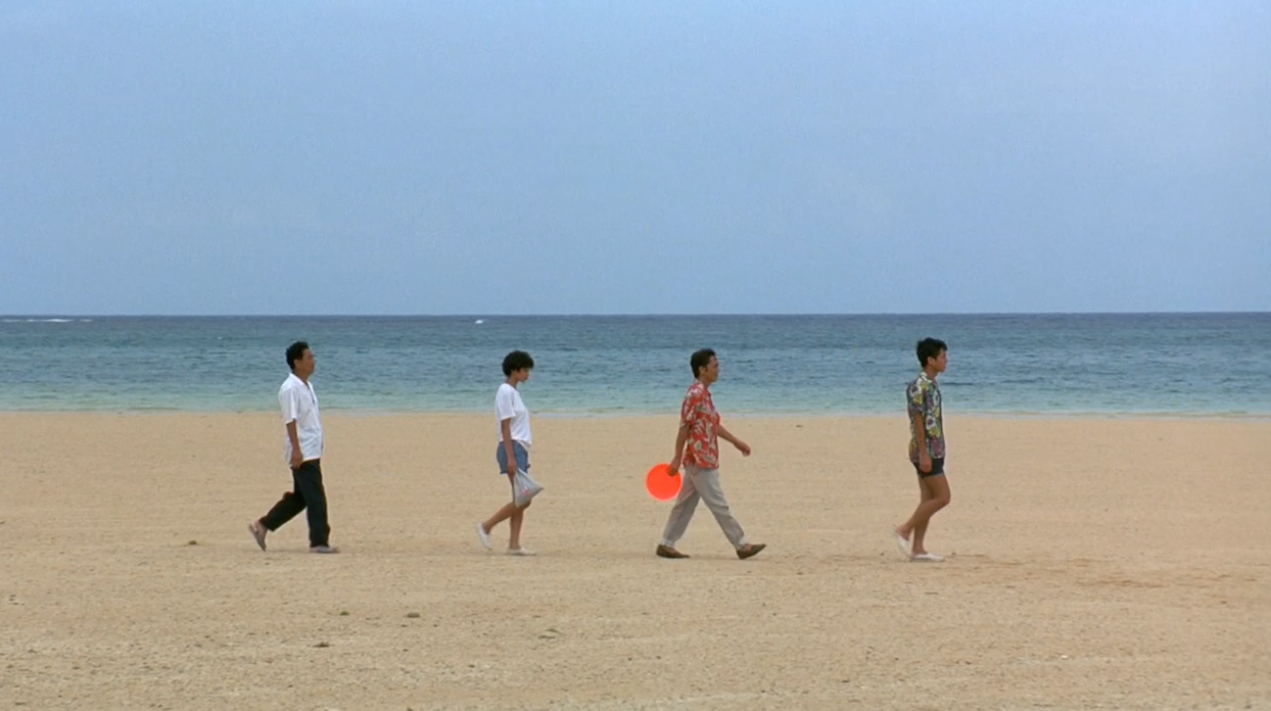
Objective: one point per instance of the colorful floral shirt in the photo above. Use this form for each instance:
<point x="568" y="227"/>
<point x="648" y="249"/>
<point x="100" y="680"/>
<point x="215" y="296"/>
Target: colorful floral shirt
<point x="702" y="418"/>
<point x="924" y="401"/>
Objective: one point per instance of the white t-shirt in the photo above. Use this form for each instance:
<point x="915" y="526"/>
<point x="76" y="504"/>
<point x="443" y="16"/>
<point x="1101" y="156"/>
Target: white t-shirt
<point x="300" y="404"/>
<point x="508" y="404"/>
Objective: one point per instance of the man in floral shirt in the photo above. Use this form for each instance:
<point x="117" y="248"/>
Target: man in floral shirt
<point x="697" y="448"/>
<point x="926" y="450"/>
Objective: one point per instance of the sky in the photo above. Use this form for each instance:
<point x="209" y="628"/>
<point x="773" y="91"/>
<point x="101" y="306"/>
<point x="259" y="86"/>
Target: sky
<point x="241" y="158"/>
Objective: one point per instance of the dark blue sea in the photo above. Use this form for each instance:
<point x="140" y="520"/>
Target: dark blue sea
<point x="1167" y="364"/>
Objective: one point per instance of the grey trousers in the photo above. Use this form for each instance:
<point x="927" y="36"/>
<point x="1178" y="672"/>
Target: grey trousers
<point x="701" y="484"/>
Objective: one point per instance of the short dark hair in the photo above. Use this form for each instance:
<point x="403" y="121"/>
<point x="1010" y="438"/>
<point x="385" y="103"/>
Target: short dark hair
<point x="517" y="360"/>
<point x="700" y="359"/>
<point x="930" y="348"/>
<point x="295" y="352"/>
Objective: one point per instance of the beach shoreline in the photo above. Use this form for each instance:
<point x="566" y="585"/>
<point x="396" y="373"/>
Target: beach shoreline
<point x="1026" y="415"/>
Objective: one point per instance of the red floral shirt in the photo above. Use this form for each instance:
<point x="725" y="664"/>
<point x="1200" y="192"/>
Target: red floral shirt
<point x="702" y="418"/>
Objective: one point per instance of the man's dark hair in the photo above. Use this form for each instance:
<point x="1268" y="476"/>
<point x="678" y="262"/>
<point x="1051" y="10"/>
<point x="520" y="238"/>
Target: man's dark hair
<point x="930" y="348"/>
<point x="700" y="359"/>
<point x="517" y="360"/>
<point x="295" y="352"/>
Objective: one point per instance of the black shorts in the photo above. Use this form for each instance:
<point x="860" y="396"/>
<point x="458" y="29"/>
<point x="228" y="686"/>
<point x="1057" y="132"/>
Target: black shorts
<point x="937" y="468"/>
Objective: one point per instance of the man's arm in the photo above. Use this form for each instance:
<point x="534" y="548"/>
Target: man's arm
<point x="297" y="456"/>
<point x="727" y="436"/>
<point x="681" y="439"/>
<point x="920" y="434"/>
<point x="508" y="449"/>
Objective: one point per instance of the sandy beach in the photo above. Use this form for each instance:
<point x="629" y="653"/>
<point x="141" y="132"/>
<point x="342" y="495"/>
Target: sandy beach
<point x="1092" y="563"/>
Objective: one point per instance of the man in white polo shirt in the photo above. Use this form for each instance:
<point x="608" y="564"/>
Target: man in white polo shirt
<point x="303" y="450"/>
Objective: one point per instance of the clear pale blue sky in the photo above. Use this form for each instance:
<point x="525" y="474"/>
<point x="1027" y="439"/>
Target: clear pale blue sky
<point x="635" y="157"/>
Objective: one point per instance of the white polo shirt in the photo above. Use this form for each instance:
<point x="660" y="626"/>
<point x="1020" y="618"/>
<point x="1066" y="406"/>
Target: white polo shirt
<point x="508" y="405"/>
<point x="300" y="404"/>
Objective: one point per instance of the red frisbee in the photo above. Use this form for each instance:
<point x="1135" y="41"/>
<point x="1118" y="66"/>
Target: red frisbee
<point x="662" y="484"/>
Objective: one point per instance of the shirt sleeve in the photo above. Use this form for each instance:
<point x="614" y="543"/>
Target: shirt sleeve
<point x="929" y="411"/>
<point x="505" y="404"/>
<point x="688" y="411"/>
<point x="913" y="395"/>
<point x="289" y="399"/>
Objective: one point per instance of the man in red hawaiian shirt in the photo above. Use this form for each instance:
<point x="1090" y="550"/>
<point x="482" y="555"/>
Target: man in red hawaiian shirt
<point x="700" y="430"/>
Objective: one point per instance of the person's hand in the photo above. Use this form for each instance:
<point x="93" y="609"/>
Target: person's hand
<point x="742" y="447"/>
<point x="512" y="470"/>
<point x="924" y="462"/>
<point x="297" y="458"/>
<point x="674" y="467"/>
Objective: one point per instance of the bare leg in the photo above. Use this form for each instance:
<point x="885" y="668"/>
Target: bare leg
<point x="925" y="496"/>
<point x="509" y="511"/>
<point x="499" y="517"/>
<point x="934" y="495"/>
<point x="515" y="521"/>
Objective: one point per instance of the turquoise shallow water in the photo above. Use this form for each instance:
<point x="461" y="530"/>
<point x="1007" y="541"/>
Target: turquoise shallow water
<point x="1174" y="364"/>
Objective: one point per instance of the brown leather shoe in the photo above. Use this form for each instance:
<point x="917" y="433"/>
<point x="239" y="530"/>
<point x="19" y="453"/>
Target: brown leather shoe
<point x="668" y="552"/>
<point x="751" y="550"/>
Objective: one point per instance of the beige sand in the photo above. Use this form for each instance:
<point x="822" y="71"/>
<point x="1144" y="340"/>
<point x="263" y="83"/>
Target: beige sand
<point x="1119" y="564"/>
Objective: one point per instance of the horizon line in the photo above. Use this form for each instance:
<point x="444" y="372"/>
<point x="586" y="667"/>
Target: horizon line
<point x="480" y="315"/>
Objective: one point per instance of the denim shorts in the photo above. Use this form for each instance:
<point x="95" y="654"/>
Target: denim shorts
<point x="518" y="450"/>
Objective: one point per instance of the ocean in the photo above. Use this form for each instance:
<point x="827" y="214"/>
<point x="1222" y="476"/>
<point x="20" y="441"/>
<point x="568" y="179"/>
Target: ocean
<point x="1050" y="364"/>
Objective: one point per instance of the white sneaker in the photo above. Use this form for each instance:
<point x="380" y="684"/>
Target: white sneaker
<point x="902" y="545"/>
<point x="484" y="536"/>
<point x="927" y="558"/>
<point x="521" y="551"/>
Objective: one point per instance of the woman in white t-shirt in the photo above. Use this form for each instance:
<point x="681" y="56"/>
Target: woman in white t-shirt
<point x="513" y="453"/>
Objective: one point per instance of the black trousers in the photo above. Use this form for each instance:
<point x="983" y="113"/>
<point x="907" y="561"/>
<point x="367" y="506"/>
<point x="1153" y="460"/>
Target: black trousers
<point x="307" y="494"/>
